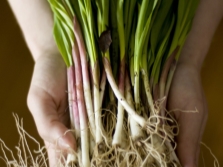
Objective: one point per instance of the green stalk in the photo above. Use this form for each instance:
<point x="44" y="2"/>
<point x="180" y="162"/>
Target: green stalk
<point x="142" y="31"/>
<point x="160" y="36"/>
<point x="114" y="48"/>
<point x="88" y="28"/>
<point x="103" y="22"/>
<point x="131" y="51"/>
<point x="129" y="11"/>
<point x="185" y="14"/>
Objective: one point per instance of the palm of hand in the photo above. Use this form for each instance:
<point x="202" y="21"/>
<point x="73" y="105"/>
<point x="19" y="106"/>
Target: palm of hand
<point x="186" y="94"/>
<point x="47" y="101"/>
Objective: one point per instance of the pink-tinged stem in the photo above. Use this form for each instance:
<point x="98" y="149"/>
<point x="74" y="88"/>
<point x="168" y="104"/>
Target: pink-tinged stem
<point x="81" y="107"/>
<point x="165" y="72"/>
<point x="163" y="79"/>
<point x="85" y="75"/>
<point x="75" y="121"/>
<point x="170" y="77"/>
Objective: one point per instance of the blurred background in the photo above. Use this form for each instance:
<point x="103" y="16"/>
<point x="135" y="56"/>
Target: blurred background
<point x="16" y="66"/>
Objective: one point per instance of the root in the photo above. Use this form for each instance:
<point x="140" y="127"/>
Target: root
<point x="109" y="122"/>
<point x="216" y="163"/>
<point x="25" y="157"/>
<point x="103" y="156"/>
<point x="152" y="151"/>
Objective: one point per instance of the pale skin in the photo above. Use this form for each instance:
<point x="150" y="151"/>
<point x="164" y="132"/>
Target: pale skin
<point x="47" y="99"/>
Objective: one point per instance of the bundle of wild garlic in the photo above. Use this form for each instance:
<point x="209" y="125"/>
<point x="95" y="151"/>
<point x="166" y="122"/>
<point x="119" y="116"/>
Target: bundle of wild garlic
<point x="120" y="57"/>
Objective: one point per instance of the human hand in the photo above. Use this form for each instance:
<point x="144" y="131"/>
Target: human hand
<point x="47" y="101"/>
<point x="186" y="94"/>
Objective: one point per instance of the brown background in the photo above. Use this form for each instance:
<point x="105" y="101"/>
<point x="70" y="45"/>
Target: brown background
<point x="16" y="66"/>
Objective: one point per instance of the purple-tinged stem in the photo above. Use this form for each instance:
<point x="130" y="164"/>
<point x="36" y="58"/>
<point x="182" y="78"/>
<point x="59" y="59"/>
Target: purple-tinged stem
<point x="85" y="75"/>
<point x="165" y="72"/>
<point x="163" y="79"/>
<point x="75" y="120"/>
<point x="170" y="77"/>
<point x="81" y="107"/>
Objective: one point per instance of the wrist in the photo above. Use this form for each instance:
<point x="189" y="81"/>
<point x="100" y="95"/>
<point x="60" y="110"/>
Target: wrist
<point x="52" y="59"/>
<point x="191" y="63"/>
<point x="192" y="58"/>
<point x="45" y="52"/>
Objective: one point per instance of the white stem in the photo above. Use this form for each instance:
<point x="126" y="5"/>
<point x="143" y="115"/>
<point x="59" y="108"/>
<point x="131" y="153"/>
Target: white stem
<point x="97" y="107"/>
<point x="71" y="158"/>
<point x="148" y="93"/>
<point x="119" y="131"/>
<point x="136" y="92"/>
<point x="92" y="145"/>
<point x="117" y="139"/>
<point x="140" y="120"/>
<point x="102" y="87"/>
<point x="136" y="131"/>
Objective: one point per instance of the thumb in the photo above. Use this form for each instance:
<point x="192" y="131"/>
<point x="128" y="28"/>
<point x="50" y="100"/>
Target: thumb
<point x="49" y="124"/>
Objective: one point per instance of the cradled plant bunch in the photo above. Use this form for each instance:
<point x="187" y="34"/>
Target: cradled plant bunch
<point x="120" y="57"/>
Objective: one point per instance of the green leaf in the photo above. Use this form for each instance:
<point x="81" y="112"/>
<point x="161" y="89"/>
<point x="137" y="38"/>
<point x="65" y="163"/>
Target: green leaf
<point x="89" y="29"/>
<point x="185" y="13"/>
<point x="161" y="24"/>
<point x="62" y="43"/>
<point x="63" y="28"/>
<point x="162" y="49"/>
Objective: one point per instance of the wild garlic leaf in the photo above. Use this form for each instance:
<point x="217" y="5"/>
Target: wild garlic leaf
<point x="63" y="29"/>
<point x="161" y="24"/>
<point x="62" y="43"/>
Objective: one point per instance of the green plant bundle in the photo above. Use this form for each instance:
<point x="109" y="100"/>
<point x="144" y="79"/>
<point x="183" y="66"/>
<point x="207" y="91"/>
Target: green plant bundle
<point x="129" y="47"/>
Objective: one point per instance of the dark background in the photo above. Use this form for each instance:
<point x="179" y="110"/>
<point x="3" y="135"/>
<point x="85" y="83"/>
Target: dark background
<point x="16" y="66"/>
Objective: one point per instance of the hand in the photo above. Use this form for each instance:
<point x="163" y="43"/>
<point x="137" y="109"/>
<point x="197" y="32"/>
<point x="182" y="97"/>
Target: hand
<point x="186" y="94"/>
<point x="47" y="101"/>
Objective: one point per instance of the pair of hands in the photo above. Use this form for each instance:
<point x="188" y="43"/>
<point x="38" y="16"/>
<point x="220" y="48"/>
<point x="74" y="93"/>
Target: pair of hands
<point x="47" y="101"/>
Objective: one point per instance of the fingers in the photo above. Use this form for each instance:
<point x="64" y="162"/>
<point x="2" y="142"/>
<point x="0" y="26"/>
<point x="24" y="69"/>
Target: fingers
<point x="55" y="157"/>
<point x="191" y="130"/>
<point x="52" y="154"/>
<point x="205" y="117"/>
<point x="50" y="124"/>
<point x="188" y="139"/>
